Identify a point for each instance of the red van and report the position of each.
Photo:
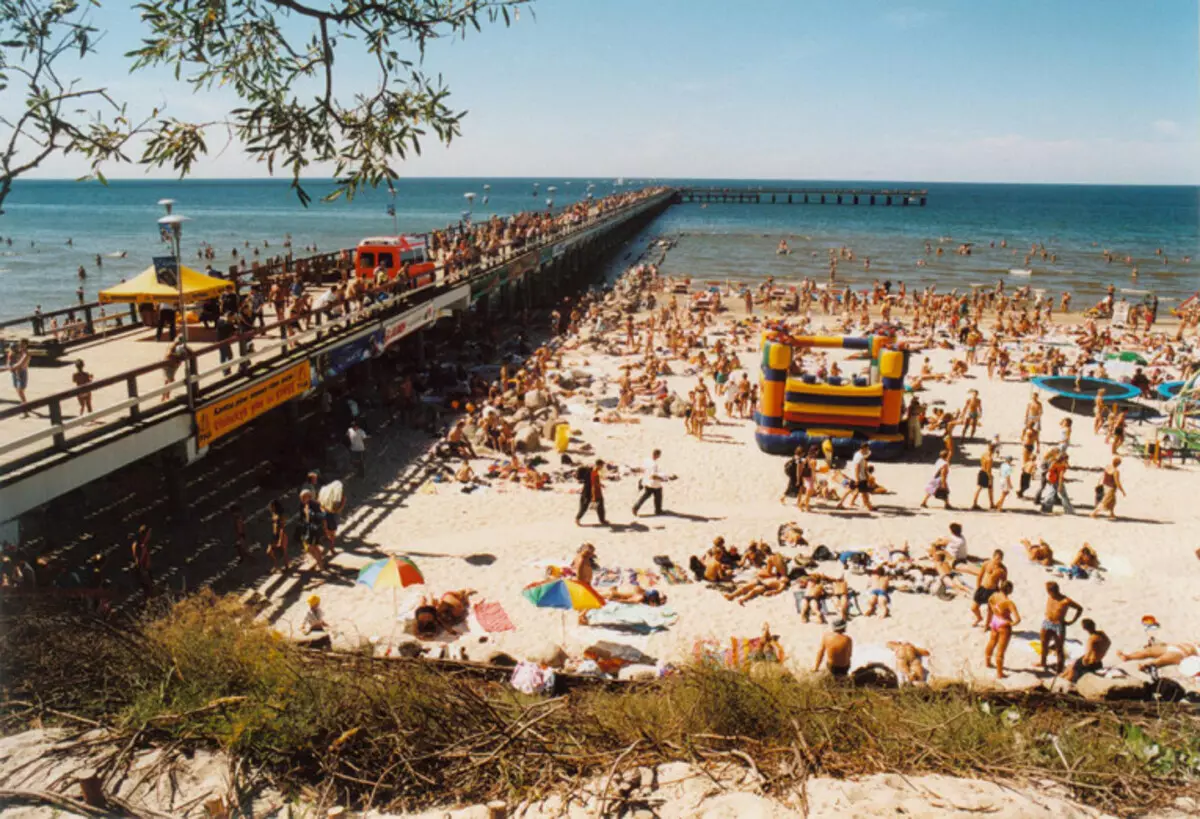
(396, 255)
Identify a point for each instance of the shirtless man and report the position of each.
(836, 649)
(880, 594)
(908, 660)
(1093, 655)
(1054, 627)
(1004, 617)
(840, 596)
(972, 411)
(1033, 413)
(992, 574)
(948, 576)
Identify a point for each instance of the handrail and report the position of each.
(289, 344)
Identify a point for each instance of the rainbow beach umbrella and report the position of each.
(390, 573)
(565, 594)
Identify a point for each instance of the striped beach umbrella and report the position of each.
(564, 594)
(390, 573)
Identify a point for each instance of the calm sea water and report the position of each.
(715, 242)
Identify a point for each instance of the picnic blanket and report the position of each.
(492, 617)
(739, 652)
(633, 617)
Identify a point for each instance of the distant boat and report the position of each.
(1020, 271)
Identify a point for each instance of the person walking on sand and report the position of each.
(984, 479)
(652, 483)
(860, 484)
(972, 411)
(591, 477)
(939, 484)
(1003, 619)
(358, 448)
(140, 548)
(835, 651)
(1110, 481)
(1054, 627)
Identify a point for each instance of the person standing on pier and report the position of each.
(17, 363)
(358, 448)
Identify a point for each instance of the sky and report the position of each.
(1074, 91)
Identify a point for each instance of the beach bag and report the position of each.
(941, 493)
(823, 553)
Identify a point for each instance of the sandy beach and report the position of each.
(501, 537)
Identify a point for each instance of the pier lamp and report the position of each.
(470, 197)
(173, 224)
(486, 193)
(168, 204)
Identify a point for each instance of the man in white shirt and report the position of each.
(652, 483)
(358, 448)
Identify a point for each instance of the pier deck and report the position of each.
(803, 196)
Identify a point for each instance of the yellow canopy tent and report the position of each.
(145, 289)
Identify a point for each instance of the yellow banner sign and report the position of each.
(223, 416)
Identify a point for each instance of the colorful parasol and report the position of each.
(390, 573)
(563, 593)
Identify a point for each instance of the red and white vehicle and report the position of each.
(405, 256)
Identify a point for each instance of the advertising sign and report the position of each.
(227, 414)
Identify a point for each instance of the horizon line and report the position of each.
(660, 180)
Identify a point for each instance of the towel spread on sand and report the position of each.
(676, 576)
(618, 576)
(632, 617)
(492, 617)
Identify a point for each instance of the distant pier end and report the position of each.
(802, 196)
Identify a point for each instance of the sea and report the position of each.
(1156, 228)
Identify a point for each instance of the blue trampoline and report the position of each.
(1085, 389)
(1169, 389)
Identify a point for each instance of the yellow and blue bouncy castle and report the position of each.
(799, 410)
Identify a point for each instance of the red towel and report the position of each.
(492, 617)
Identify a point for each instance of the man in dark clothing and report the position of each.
(166, 318)
(225, 331)
(593, 492)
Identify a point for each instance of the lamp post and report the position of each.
(392, 211)
(173, 224)
(470, 197)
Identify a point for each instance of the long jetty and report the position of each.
(802, 196)
(48, 448)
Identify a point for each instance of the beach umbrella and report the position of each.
(565, 594)
(390, 573)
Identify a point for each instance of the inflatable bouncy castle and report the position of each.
(796, 409)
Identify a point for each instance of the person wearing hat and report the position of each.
(836, 649)
(314, 620)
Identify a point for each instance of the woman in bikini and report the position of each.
(1004, 618)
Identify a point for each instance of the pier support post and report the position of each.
(173, 463)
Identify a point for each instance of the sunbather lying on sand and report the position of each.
(1161, 655)
(771, 580)
(633, 593)
(908, 660)
(1039, 552)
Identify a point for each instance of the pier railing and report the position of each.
(802, 195)
(257, 354)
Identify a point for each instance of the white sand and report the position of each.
(726, 486)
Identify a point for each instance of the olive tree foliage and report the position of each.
(57, 114)
(279, 58)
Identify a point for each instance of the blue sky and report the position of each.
(974, 90)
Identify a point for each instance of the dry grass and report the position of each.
(203, 673)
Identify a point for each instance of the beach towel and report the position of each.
(1073, 649)
(676, 576)
(632, 617)
(618, 576)
(492, 617)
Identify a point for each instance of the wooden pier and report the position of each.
(885, 197)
